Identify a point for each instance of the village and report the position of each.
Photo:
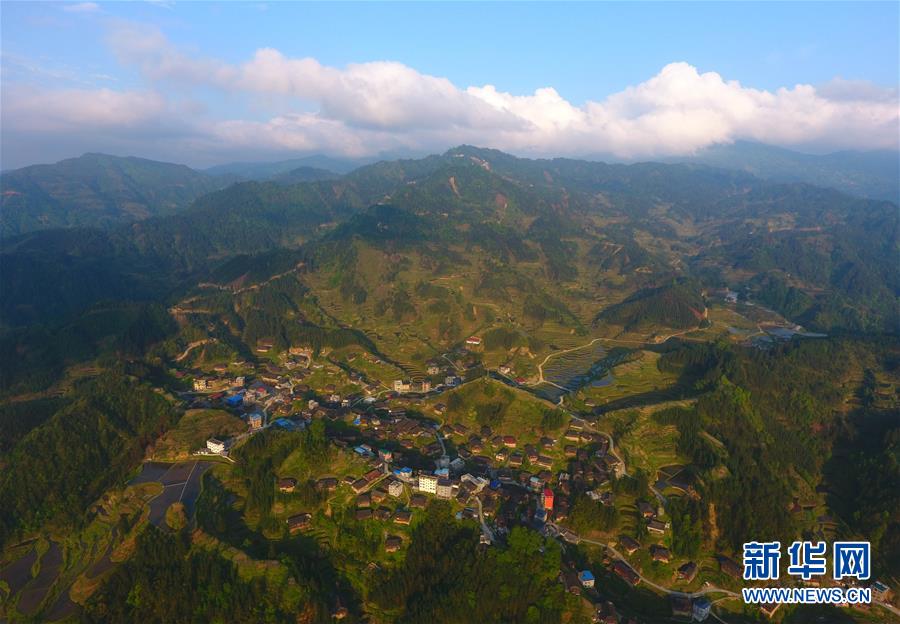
(404, 454)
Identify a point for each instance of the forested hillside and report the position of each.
(682, 356)
(97, 190)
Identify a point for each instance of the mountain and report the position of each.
(97, 190)
(450, 244)
(556, 293)
(269, 170)
(867, 174)
(304, 174)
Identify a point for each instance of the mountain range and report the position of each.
(98, 190)
(873, 174)
(420, 242)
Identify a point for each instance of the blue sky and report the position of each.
(184, 81)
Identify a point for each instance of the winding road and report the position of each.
(711, 589)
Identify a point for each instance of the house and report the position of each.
(402, 517)
(264, 346)
(434, 369)
(215, 445)
(681, 606)
(626, 573)
(628, 544)
(392, 543)
(302, 351)
(646, 510)
(731, 567)
(359, 485)
(402, 386)
(548, 500)
(363, 514)
(395, 488)
(504, 370)
(234, 400)
(327, 484)
(364, 500)
(660, 553)
(509, 441)
(701, 608)
(571, 582)
(473, 341)
(417, 501)
(287, 484)
(386, 455)
(439, 408)
(881, 592)
(383, 514)
(687, 572)
(606, 614)
(255, 420)
(299, 522)
(444, 488)
(586, 578)
(657, 526)
(428, 483)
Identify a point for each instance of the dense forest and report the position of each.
(447, 578)
(166, 580)
(773, 417)
(95, 440)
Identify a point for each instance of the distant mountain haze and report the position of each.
(266, 170)
(866, 174)
(98, 190)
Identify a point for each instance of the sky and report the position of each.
(207, 83)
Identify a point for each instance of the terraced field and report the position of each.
(572, 369)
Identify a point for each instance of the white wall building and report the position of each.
(215, 446)
(428, 483)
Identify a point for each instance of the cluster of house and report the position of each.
(650, 513)
(405, 386)
(440, 377)
(272, 395)
(513, 482)
(696, 609)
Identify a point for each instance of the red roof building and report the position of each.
(548, 500)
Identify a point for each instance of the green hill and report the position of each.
(97, 190)
(676, 307)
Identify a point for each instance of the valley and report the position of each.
(472, 372)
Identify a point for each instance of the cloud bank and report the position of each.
(301, 105)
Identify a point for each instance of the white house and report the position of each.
(395, 488)
(215, 446)
(428, 483)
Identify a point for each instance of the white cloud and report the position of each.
(90, 109)
(82, 7)
(367, 108)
